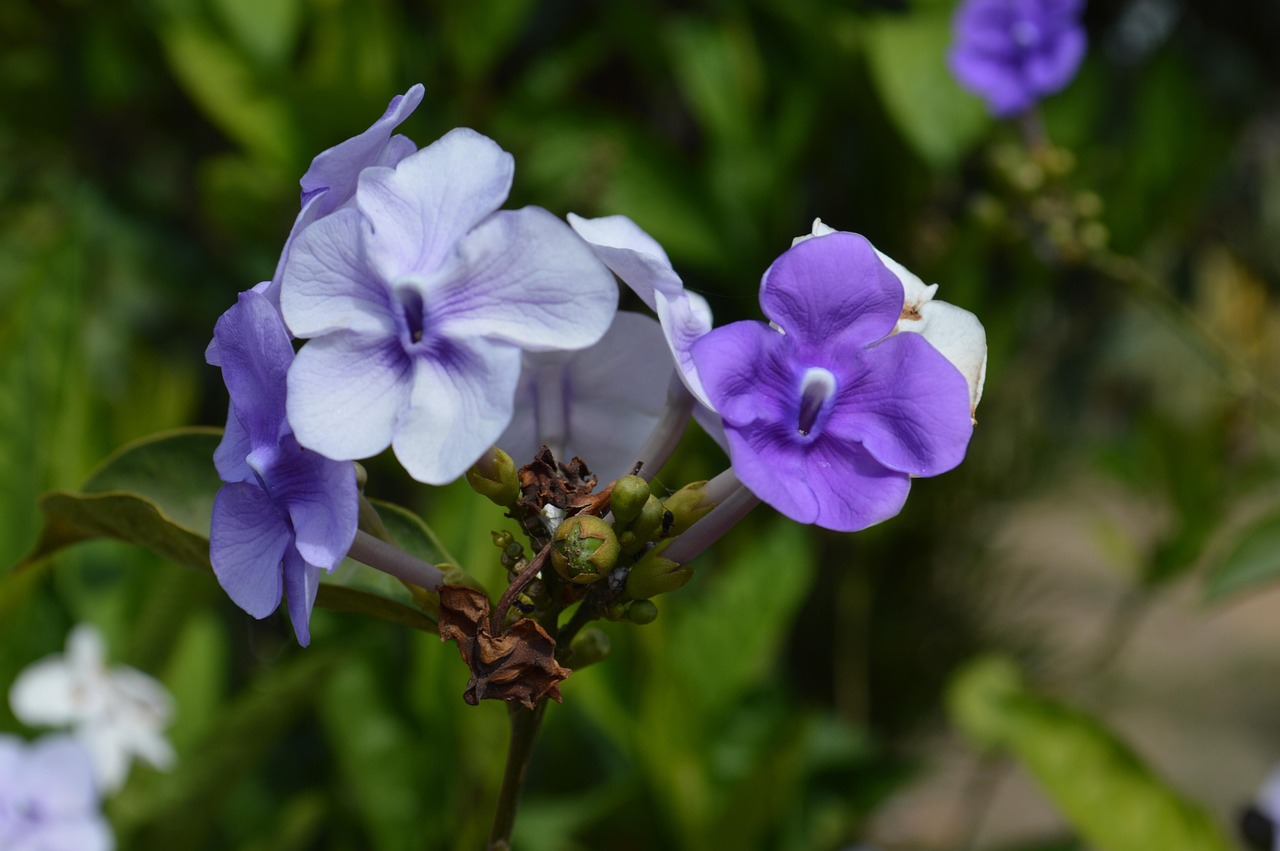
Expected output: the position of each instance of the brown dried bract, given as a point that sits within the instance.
(518, 665)
(545, 481)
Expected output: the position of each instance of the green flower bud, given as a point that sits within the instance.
(502, 539)
(584, 549)
(645, 527)
(590, 646)
(494, 477)
(362, 476)
(457, 576)
(630, 493)
(688, 505)
(642, 612)
(617, 611)
(653, 574)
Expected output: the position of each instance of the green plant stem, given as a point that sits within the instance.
(524, 730)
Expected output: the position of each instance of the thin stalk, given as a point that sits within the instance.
(380, 555)
(524, 730)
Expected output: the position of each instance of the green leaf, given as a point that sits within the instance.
(264, 29)
(1103, 788)
(1254, 561)
(158, 493)
(907, 56)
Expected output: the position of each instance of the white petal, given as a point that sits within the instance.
(916, 293)
(458, 408)
(819, 229)
(46, 694)
(345, 392)
(959, 336)
(525, 278)
(631, 254)
(685, 319)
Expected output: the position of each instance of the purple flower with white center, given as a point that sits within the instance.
(828, 413)
(419, 302)
(599, 403)
(286, 512)
(1012, 53)
(48, 801)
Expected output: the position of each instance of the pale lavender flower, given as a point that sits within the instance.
(117, 713)
(1012, 53)
(286, 512)
(599, 403)
(828, 413)
(419, 302)
(48, 800)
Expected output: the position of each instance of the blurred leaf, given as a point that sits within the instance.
(158, 493)
(412, 534)
(197, 676)
(480, 32)
(719, 70)
(1102, 787)
(1255, 560)
(907, 54)
(222, 85)
(265, 29)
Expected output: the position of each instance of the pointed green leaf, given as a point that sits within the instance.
(1103, 788)
(1255, 560)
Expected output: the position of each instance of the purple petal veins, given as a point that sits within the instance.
(827, 412)
(1012, 53)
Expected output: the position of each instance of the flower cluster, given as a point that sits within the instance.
(1014, 52)
(439, 325)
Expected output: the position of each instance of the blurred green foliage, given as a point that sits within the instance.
(149, 153)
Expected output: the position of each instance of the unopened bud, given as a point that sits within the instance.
(687, 506)
(645, 527)
(642, 612)
(630, 493)
(584, 549)
(362, 476)
(590, 646)
(654, 574)
(494, 477)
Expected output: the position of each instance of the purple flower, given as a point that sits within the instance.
(286, 512)
(419, 301)
(1014, 52)
(599, 403)
(828, 413)
(48, 801)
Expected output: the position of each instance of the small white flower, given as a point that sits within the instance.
(116, 713)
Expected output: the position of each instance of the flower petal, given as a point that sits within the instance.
(329, 284)
(906, 404)
(46, 694)
(831, 291)
(522, 276)
(824, 482)
(336, 170)
(461, 403)
(430, 200)
(235, 446)
(247, 541)
(631, 254)
(685, 319)
(345, 393)
(960, 337)
(321, 498)
(746, 373)
(302, 583)
(255, 352)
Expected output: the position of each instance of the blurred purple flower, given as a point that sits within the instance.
(48, 801)
(828, 413)
(286, 512)
(1014, 52)
(419, 301)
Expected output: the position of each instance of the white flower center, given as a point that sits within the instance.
(817, 386)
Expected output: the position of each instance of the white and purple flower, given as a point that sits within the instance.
(48, 798)
(828, 412)
(420, 299)
(286, 512)
(1012, 53)
(117, 713)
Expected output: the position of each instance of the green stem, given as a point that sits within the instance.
(524, 729)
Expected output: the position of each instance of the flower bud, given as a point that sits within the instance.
(584, 549)
(630, 493)
(687, 506)
(642, 612)
(645, 527)
(457, 576)
(590, 646)
(494, 477)
(653, 574)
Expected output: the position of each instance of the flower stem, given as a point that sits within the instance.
(380, 555)
(524, 729)
(666, 434)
